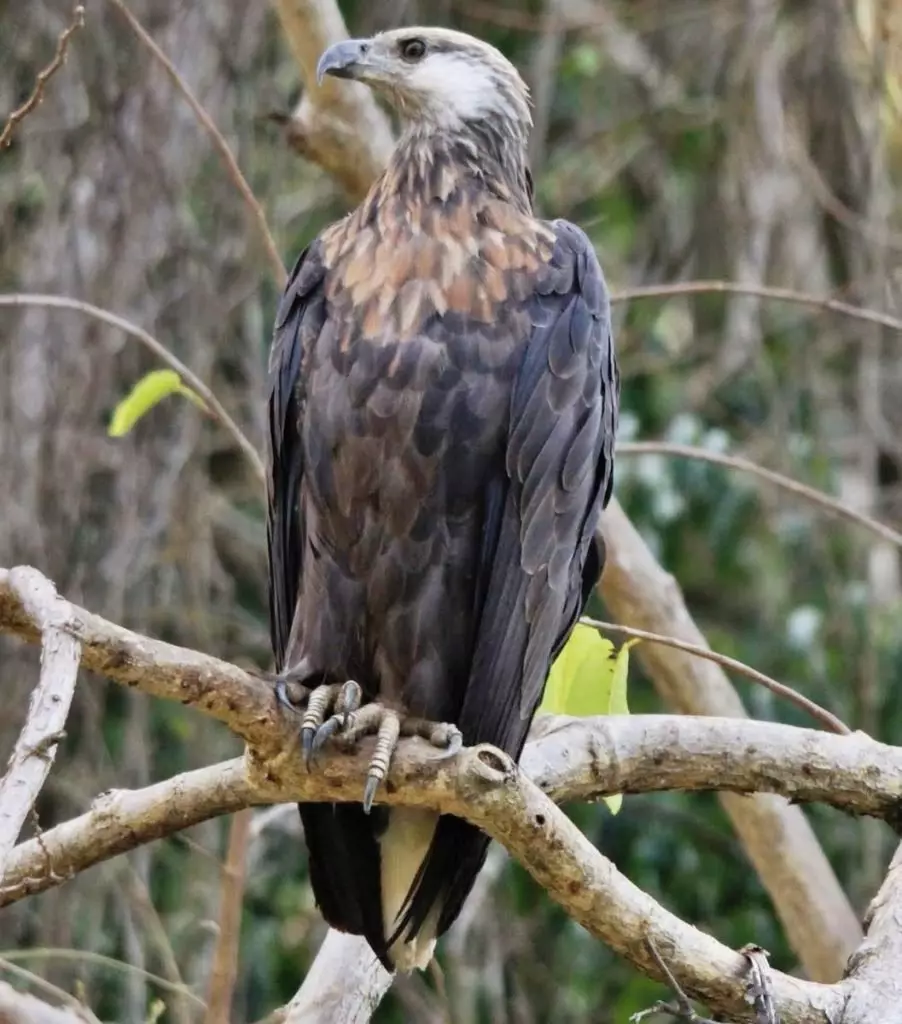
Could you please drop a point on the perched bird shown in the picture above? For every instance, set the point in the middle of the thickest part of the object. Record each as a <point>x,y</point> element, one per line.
<point>442,409</point>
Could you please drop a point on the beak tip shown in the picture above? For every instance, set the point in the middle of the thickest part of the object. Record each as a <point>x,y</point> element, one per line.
<point>340,59</point>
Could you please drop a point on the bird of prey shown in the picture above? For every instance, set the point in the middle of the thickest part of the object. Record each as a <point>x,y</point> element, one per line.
<point>442,409</point>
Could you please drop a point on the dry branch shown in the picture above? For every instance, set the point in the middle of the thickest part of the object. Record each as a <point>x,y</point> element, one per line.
<point>48,708</point>
<point>346,982</point>
<point>220,690</point>
<point>832,506</point>
<point>567,759</point>
<point>225,957</point>
<point>20,1008</point>
<point>76,22</point>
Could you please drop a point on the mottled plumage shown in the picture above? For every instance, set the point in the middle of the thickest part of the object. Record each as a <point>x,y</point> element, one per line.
<point>442,414</point>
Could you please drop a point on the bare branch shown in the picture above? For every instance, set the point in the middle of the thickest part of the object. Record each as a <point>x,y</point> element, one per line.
<point>225,957</point>
<point>831,505</point>
<point>338,125</point>
<point>48,708</point>
<point>346,982</point>
<point>485,787</point>
<point>217,410</point>
<point>875,982</point>
<point>822,715</point>
<point>20,1008</point>
<point>223,691</point>
<point>821,925</point>
<point>222,147</point>
<point>76,22</point>
<point>666,291</point>
<point>121,820</point>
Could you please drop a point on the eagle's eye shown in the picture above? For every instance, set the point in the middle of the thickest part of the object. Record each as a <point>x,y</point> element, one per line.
<point>413,50</point>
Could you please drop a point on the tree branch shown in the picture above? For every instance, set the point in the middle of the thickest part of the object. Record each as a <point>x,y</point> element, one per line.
<point>223,691</point>
<point>485,787</point>
<point>346,982</point>
<point>76,22</point>
<point>20,1008</point>
<point>48,708</point>
<point>833,506</point>
<point>567,759</point>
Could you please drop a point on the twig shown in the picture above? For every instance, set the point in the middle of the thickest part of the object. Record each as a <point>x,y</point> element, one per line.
<point>21,299</point>
<point>816,497</point>
<point>21,1008</point>
<point>822,715</point>
<point>225,956</point>
<point>222,147</point>
<point>48,708</point>
<point>683,1008</point>
<point>10,957</point>
<point>76,22</point>
<point>83,1013</point>
<point>665,291</point>
<point>760,987</point>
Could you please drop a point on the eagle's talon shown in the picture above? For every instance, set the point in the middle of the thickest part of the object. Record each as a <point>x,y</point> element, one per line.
<point>331,727</point>
<point>369,791</point>
<point>348,701</point>
<point>282,696</point>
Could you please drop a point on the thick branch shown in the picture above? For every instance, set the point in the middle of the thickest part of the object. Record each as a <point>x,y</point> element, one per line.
<point>35,750</point>
<point>121,820</point>
<point>567,758</point>
<point>483,786</point>
<point>20,1008</point>
<point>822,926</point>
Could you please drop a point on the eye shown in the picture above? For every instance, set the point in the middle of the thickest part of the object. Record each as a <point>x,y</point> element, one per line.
<point>413,50</point>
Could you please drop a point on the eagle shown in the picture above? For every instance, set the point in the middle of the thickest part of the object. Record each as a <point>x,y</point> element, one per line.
<point>443,400</point>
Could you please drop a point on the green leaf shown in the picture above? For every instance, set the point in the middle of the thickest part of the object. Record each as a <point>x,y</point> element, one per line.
<point>587,678</point>
<point>150,389</point>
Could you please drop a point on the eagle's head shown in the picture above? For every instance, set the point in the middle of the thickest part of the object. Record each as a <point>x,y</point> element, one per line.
<point>434,77</point>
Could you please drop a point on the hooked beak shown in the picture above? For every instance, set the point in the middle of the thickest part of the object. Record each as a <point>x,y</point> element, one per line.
<point>343,60</point>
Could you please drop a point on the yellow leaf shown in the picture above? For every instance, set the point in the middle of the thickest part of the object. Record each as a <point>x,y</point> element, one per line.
<point>150,389</point>
<point>587,678</point>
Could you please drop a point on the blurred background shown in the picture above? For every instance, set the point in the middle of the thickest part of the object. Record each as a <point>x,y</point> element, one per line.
<point>741,140</point>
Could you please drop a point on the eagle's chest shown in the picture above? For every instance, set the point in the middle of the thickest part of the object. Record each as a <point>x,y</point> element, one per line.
<point>407,426</point>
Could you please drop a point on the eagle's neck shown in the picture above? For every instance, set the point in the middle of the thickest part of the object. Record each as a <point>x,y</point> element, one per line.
<point>431,164</point>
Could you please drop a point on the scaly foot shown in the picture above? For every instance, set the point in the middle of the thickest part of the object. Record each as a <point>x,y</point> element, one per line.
<point>348,722</point>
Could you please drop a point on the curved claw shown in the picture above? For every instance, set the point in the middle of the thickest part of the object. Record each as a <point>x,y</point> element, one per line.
<point>282,696</point>
<point>329,728</point>
<point>455,744</point>
<point>369,791</point>
<point>308,735</point>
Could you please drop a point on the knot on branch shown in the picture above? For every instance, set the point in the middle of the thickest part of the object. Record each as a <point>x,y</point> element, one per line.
<point>483,768</point>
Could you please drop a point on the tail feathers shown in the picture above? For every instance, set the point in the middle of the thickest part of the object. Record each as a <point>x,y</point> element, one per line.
<point>404,846</point>
<point>343,858</point>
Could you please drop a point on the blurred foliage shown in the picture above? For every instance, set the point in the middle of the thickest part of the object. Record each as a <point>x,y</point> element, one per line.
<point>691,139</point>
